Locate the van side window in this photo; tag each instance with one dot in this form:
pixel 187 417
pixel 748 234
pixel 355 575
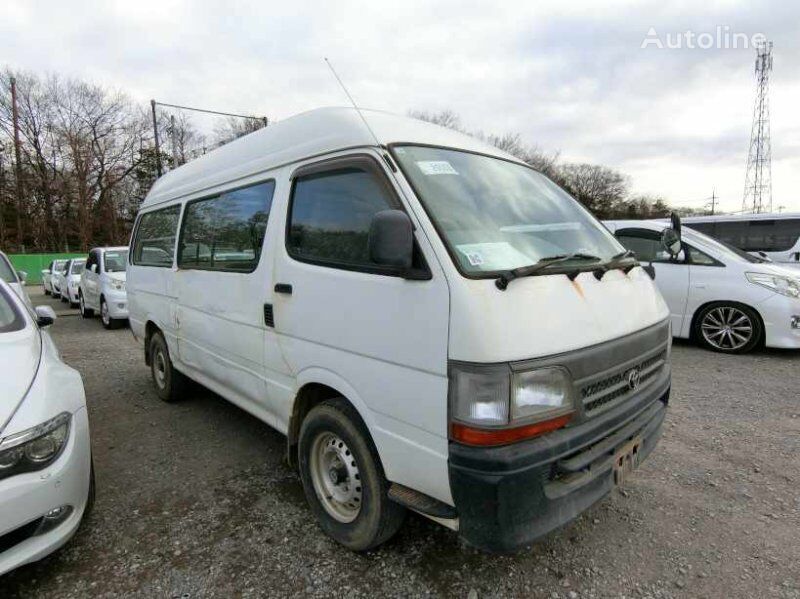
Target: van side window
pixel 331 214
pixel 226 232
pixel 154 244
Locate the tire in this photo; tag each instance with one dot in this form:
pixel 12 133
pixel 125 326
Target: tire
pixel 46 291
pixel 64 298
pixel 169 383
pixel 365 517
pixel 728 328
pixel 85 312
pixel 105 317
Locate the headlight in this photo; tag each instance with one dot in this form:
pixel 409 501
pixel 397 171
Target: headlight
pixel 118 285
pixel 492 405
pixel 779 284
pixel 35 448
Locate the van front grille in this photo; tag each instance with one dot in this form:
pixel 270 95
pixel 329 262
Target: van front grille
pixel 616 387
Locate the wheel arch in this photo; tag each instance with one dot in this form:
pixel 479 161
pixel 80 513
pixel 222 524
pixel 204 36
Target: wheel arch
pixel 314 387
pixel 708 304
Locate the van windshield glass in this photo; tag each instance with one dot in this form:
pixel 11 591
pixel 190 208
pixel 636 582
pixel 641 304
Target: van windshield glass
pixel 496 215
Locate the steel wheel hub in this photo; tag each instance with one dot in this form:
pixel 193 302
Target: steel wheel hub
pixel 727 328
pixel 160 369
pixel 335 476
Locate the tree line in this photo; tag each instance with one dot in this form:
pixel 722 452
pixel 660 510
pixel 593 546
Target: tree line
pixel 87 160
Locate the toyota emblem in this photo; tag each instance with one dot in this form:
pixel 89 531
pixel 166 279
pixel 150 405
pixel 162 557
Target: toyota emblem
pixel 634 377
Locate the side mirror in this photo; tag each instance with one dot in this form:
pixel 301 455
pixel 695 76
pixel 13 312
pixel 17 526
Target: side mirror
pixel 46 271
pixel 391 239
pixel 45 316
pixel 23 276
pixel 671 241
pixel 94 268
pixel 650 270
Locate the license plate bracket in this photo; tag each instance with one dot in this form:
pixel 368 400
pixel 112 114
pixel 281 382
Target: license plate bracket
pixel 626 460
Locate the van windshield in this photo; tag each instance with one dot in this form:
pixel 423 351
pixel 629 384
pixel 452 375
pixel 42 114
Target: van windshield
pixel 497 215
pixel 116 261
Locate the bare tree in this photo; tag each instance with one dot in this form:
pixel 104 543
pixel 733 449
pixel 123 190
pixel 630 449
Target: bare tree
pixel 234 128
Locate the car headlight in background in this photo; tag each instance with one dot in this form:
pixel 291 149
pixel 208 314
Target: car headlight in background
pixel 779 284
pixel 118 285
pixel 34 448
pixel 494 405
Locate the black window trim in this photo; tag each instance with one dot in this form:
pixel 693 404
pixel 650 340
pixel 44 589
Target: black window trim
pixel 215 195
pixel 651 234
pixel 371 165
pixel 139 218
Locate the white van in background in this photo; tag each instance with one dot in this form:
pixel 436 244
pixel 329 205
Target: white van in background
pixel 774 236
pixel 72 278
pixel 102 286
pixel 433 324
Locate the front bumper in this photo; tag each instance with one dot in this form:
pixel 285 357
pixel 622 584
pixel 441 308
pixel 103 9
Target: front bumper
pixel 777 313
pixel 72 293
pixel 26 498
pixel 506 497
pixel 117 302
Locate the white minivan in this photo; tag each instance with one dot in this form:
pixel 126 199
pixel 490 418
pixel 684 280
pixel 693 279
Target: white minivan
pixel 722 297
pixel 102 286
pixel 433 324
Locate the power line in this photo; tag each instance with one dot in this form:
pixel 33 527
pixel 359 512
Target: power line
pixel 263 119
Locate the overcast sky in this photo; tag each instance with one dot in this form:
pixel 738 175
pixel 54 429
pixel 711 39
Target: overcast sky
pixel 568 76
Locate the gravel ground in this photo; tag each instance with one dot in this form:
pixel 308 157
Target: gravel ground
pixel 195 500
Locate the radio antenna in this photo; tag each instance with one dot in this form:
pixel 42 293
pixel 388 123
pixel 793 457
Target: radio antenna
pixel 353 102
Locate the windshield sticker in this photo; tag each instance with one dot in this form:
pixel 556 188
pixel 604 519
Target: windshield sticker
pixel 496 255
pixel 436 167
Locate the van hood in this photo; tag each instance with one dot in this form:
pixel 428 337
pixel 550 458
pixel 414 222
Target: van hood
pixel 20 353
pixel 547 315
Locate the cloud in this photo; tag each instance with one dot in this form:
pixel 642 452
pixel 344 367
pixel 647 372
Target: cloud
pixel 567 76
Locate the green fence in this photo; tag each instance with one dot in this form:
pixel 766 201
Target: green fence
pixel 33 264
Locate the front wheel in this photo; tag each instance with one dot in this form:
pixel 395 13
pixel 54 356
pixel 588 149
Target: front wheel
pixel 728 328
pixel 343 478
pixel 105 316
pixel 85 312
pixel 169 382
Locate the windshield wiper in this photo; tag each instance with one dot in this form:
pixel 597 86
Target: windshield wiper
pixel 625 260
pixel 526 271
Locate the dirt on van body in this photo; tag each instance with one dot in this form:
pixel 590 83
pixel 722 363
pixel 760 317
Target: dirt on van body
pixel 195 500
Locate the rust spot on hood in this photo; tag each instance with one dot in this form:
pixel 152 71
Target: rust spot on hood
pixel 578 287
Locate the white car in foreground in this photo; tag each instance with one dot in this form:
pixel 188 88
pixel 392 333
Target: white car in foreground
pixel 14 278
pixel 46 481
pixel 722 297
pixel 102 286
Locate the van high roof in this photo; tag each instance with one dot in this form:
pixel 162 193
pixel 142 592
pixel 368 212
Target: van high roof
pixel 313 133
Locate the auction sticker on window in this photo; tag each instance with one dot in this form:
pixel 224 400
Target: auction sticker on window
pixel 493 255
pixel 436 167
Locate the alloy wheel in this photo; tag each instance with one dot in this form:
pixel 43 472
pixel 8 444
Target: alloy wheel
pixel 727 328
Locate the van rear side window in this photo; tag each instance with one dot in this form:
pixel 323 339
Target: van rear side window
pixel 154 244
pixel 226 232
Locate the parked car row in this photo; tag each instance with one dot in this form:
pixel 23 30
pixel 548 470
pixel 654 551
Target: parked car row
pixel 93 284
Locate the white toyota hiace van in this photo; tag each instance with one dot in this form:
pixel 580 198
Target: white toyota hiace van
pixel 433 324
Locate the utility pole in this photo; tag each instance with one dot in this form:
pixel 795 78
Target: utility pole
pixel 713 200
pixel 18 158
pixel 174 136
pixel 155 135
pixel 758 176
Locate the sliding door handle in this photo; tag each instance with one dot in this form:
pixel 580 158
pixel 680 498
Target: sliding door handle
pixel 283 288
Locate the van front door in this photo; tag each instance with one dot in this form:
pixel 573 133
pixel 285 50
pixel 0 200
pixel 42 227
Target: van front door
pixel 376 337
